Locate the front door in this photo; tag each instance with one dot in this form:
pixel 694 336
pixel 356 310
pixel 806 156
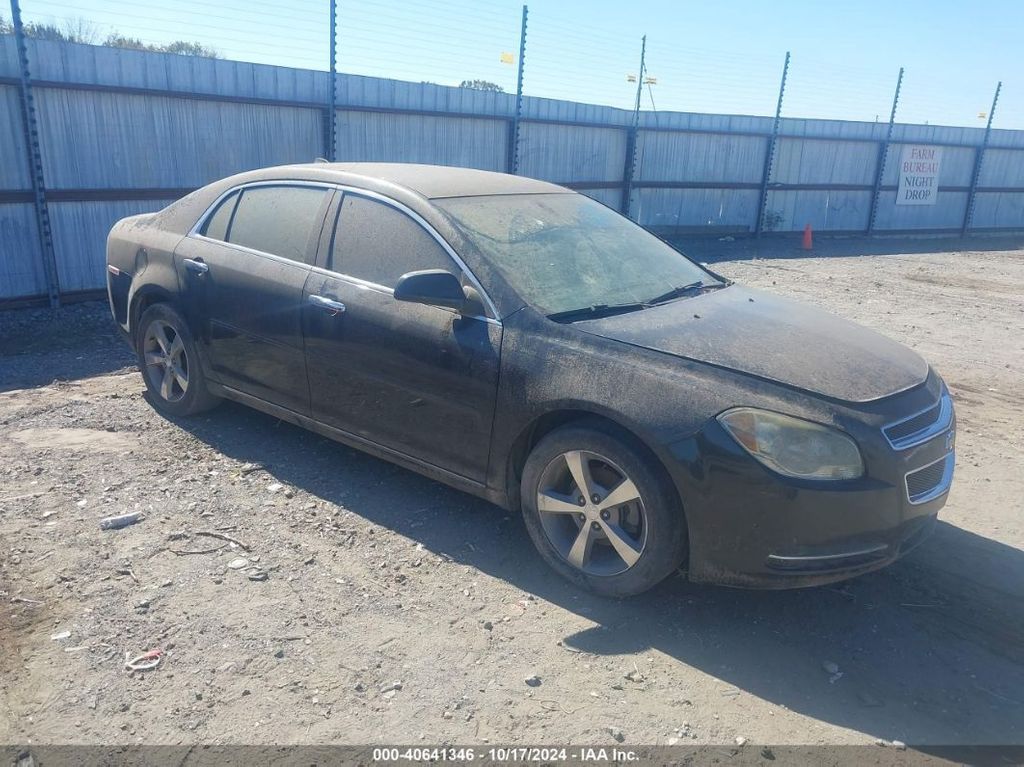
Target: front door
pixel 416 379
pixel 242 277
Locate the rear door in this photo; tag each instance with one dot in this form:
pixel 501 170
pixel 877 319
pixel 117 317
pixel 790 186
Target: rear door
pixel 417 379
pixel 242 274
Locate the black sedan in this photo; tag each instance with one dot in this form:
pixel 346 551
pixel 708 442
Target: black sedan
pixel 522 342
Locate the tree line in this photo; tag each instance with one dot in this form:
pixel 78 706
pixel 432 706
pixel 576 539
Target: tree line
pixel 83 32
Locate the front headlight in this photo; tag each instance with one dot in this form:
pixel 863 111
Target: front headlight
pixel 793 446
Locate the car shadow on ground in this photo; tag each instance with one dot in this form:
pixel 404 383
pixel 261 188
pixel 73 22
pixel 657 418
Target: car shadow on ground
pixel 928 651
pixel 40 346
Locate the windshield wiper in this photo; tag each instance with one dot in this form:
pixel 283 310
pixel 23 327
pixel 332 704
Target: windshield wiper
pixel 694 287
pixel 596 311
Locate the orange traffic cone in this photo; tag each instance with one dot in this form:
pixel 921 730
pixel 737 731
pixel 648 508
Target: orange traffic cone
pixel 808 238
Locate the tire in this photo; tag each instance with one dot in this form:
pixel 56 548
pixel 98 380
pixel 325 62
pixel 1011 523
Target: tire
pixel 176 388
pixel 649 529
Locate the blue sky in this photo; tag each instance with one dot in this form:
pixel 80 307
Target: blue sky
pixel 707 57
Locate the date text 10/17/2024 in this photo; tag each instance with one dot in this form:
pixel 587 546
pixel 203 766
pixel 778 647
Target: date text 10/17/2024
pixel 503 754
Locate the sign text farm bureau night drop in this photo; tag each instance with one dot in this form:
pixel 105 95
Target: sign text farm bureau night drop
pixel 919 175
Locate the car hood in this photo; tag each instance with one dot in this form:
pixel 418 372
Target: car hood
pixel 774 338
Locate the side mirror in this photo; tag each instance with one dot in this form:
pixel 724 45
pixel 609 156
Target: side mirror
pixel 434 287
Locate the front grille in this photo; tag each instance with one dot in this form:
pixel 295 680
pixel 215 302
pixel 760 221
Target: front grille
pixel 902 430
pixel 923 480
pixel 931 481
pixel 921 427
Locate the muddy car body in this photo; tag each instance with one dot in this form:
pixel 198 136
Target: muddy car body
pixel 750 439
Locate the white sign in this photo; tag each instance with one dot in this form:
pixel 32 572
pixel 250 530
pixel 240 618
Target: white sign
pixel 919 175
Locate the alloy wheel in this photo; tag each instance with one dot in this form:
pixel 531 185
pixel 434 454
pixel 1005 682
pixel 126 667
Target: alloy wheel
pixel 592 513
pixel 166 361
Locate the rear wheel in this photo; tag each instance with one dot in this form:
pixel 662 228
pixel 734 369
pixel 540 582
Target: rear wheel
pixel 170 363
pixel 601 512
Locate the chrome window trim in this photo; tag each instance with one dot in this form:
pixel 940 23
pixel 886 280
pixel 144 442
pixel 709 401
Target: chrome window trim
pixel 941 488
pixel 253 251
pixel 195 232
pixel 280 182
pixel 878 549
pixel 355 281
pixel 928 433
pixel 385 290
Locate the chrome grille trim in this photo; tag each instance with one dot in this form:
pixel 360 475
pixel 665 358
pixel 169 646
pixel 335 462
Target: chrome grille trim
pixel 933 492
pixel 941 424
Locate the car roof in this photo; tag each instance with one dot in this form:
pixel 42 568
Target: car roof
pixel 430 181
pixel 409 183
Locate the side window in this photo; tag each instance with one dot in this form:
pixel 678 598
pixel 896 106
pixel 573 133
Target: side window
pixel 278 219
pixel 217 225
pixel 378 243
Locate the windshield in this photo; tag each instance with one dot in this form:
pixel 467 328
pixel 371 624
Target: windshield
pixel 566 252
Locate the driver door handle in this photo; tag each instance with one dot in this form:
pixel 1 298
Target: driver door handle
pixel 332 306
pixel 196 265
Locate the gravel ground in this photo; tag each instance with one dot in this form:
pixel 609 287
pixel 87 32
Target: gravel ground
pixel 305 593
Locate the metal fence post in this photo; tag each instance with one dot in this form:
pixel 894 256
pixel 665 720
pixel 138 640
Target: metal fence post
pixel 513 149
pixel 769 157
pixel 35 161
pixel 332 116
pixel 631 137
pixel 883 155
pixel 979 156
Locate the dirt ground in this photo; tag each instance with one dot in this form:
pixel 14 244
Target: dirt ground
pixel 377 606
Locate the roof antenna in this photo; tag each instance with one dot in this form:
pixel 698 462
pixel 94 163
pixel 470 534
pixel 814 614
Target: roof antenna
pixel 321 159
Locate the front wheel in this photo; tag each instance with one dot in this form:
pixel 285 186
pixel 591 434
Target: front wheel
pixel 601 512
pixel 170 365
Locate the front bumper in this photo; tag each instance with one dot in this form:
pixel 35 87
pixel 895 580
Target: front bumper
pixel 754 528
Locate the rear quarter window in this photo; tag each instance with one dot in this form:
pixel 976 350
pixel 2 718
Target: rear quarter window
pixel 217 225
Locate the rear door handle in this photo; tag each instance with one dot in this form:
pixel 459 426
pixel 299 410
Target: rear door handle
pixel 196 266
pixel 334 307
